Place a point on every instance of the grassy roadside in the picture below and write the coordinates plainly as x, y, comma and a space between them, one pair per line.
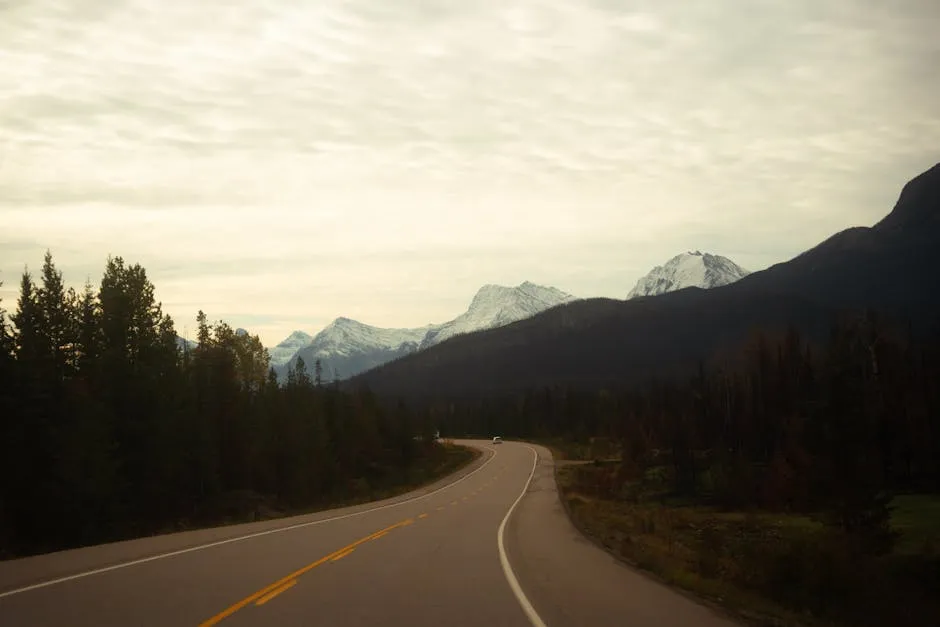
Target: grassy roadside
422, 474
769, 569
588, 450
242, 506
426, 471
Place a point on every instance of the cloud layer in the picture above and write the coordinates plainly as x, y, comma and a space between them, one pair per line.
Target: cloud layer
294, 161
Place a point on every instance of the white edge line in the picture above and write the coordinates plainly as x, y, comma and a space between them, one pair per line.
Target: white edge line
530, 612
201, 547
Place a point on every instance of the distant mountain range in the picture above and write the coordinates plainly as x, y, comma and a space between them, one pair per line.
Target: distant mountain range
347, 347
890, 267
691, 269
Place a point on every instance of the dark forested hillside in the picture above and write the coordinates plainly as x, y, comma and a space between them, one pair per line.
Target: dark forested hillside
802, 424
806, 475
591, 343
109, 430
890, 268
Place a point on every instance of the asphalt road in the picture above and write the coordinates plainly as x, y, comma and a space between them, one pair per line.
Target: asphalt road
489, 546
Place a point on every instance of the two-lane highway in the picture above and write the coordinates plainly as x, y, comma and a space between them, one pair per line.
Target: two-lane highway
485, 547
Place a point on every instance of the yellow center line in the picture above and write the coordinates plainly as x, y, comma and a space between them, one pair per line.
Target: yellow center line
422, 515
280, 582
453, 502
287, 586
440, 507
342, 555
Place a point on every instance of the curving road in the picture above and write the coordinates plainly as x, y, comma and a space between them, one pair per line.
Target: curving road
488, 546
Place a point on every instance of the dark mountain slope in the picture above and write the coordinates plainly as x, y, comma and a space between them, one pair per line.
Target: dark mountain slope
892, 266
593, 342
889, 267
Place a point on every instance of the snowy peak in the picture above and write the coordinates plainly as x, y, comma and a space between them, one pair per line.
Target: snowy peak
344, 336
526, 294
297, 337
282, 353
690, 269
498, 305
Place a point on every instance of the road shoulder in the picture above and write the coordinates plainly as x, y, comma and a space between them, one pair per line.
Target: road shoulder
570, 580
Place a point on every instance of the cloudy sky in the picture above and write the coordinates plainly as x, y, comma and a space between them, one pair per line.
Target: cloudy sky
278, 163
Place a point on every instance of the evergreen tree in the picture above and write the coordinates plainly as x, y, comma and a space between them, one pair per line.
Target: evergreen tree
56, 328
35, 438
139, 357
9, 420
7, 355
88, 349
28, 322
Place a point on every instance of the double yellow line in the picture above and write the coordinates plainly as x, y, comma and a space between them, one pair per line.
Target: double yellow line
285, 583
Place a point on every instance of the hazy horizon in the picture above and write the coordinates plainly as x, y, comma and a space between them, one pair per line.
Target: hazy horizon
279, 164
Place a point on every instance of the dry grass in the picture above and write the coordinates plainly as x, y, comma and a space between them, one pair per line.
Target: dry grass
771, 569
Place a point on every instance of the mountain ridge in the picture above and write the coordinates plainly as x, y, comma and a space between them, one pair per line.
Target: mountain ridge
348, 347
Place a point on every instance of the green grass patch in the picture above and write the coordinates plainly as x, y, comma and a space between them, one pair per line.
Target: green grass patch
916, 517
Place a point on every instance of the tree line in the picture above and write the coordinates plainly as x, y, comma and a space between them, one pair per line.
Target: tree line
832, 428
109, 428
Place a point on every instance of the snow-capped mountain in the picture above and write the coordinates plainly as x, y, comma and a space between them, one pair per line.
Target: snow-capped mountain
282, 353
347, 347
691, 269
344, 337
496, 306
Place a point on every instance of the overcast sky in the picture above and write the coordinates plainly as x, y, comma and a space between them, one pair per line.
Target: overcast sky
279, 163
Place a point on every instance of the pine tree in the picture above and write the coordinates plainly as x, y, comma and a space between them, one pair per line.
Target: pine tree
28, 322
204, 333
6, 335
56, 330
88, 316
301, 378
9, 422
140, 364
36, 438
